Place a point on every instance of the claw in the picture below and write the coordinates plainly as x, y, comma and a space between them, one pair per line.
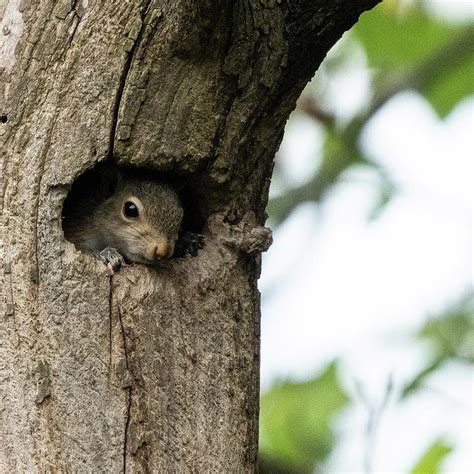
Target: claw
112, 258
189, 244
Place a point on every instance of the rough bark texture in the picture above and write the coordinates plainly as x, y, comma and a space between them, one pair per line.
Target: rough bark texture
148, 370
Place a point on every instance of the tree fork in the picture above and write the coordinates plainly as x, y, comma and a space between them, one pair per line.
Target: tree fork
148, 370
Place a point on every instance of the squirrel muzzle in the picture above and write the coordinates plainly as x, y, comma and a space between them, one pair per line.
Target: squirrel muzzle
161, 249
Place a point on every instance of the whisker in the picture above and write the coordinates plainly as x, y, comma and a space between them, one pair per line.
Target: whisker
140, 233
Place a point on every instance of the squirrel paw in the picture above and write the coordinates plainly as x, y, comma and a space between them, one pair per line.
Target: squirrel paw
188, 245
112, 258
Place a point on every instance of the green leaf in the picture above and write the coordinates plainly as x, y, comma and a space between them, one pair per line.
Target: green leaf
430, 462
453, 79
452, 334
419, 379
427, 53
392, 39
296, 422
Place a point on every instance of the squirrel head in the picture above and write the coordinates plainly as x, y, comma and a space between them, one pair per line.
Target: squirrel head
143, 219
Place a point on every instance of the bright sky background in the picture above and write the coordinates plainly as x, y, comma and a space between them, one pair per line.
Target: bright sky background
335, 284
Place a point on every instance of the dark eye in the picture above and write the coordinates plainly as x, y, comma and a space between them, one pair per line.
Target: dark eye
130, 210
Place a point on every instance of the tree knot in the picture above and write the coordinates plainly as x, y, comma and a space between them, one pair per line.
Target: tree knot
247, 235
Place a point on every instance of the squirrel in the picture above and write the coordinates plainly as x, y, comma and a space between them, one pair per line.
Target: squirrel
131, 218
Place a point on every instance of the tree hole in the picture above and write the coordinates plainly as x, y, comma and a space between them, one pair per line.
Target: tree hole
143, 215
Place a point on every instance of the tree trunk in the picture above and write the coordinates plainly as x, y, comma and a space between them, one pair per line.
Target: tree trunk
148, 370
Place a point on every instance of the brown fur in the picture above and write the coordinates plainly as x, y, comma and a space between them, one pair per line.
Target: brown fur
93, 226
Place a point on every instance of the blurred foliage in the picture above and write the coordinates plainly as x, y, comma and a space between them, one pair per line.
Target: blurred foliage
430, 462
418, 51
296, 423
395, 39
417, 382
451, 337
452, 334
405, 48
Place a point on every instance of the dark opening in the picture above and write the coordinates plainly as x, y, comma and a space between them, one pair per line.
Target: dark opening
3, 118
95, 186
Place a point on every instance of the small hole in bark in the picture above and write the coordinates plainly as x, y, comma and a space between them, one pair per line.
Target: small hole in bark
93, 219
3, 118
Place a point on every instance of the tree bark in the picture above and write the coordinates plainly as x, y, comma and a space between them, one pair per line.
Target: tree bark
148, 370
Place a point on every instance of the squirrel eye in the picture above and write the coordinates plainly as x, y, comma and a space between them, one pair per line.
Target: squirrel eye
130, 210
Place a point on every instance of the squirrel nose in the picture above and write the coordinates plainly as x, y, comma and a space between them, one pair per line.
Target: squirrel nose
161, 250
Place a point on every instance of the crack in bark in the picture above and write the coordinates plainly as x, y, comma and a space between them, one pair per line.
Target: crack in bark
10, 302
113, 131
110, 320
127, 369
118, 97
129, 395
73, 33
123, 80
127, 427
